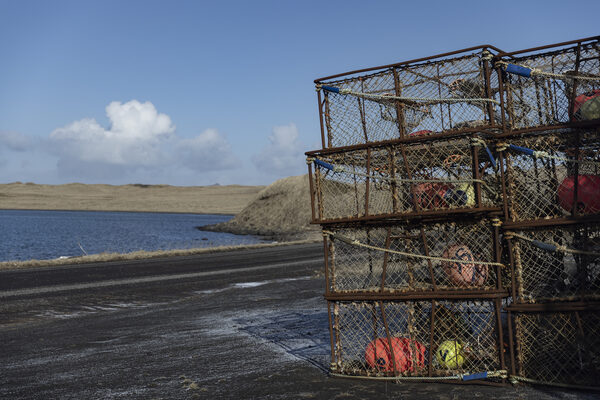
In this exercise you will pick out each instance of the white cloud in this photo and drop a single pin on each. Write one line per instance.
(15, 141)
(209, 151)
(140, 144)
(283, 156)
(133, 139)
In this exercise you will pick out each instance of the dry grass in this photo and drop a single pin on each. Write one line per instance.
(229, 199)
(281, 210)
(137, 255)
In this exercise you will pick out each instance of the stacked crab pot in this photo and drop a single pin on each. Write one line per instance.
(550, 169)
(426, 184)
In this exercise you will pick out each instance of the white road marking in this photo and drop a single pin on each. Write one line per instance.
(157, 278)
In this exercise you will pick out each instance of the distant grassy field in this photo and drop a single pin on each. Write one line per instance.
(141, 198)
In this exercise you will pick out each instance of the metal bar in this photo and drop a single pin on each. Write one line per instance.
(513, 277)
(418, 295)
(457, 134)
(416, 60)
(503, 54)
(488, 89)
(411, 216)
(497, 306)
(323, 144)
(368, 182)
(389, 339)
(328, 120)
(559, 221)
(501, 95)
(312, 193)
(332, 343)
(503, 178)
(497, 255)
(475, 173)
(511, 345)
(399, 106)
(429, 263)
(326, 259)
(431, 331)
(393, 184)
(555, 306)
(385, 258)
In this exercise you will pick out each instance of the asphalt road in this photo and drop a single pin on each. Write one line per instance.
(243, 324)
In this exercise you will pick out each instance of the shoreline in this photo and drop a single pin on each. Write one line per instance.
(137, 255)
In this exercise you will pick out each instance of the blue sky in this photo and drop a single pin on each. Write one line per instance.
(195, 93)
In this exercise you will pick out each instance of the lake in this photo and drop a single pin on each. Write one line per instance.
(42, 235)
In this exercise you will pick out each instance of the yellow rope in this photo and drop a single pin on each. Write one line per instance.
(355, 242)
(425, 100)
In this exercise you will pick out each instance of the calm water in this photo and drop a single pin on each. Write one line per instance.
(26, 235)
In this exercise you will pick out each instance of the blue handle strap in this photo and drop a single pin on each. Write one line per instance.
(492, 159)
(479, 375)
(331, 89)
(518, 70)
(323, 164)
(525, 150)
(544, 246)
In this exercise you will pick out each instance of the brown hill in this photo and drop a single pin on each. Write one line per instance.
(280, 211)
(229, 199)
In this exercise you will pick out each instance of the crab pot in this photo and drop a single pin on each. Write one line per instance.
(542, 88)
(551, 175)
(451, 92)
(559, 348)
(427, 177)
(557, 263)
(444, 258)
(427, 338)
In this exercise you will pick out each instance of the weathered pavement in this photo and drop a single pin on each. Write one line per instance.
(244, 324)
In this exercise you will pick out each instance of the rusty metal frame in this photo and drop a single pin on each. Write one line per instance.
(494, 132)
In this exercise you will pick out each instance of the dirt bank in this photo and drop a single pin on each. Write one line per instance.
(280, 211)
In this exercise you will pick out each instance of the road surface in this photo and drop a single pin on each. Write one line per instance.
(244, 324)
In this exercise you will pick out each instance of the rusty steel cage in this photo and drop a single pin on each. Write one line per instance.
(555, 263)
(551, 174)
(403, 179)
(424, 338)
(456, 91)
(557, 345)
(551, 85)
(459, 197)
(444, 258)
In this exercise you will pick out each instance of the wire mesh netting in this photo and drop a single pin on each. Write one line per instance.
(559, 347)
(400, 179)
(416, 257)
(550, 95)
(552, 175)
(414, 99)
(556, 263)
(415, 338)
